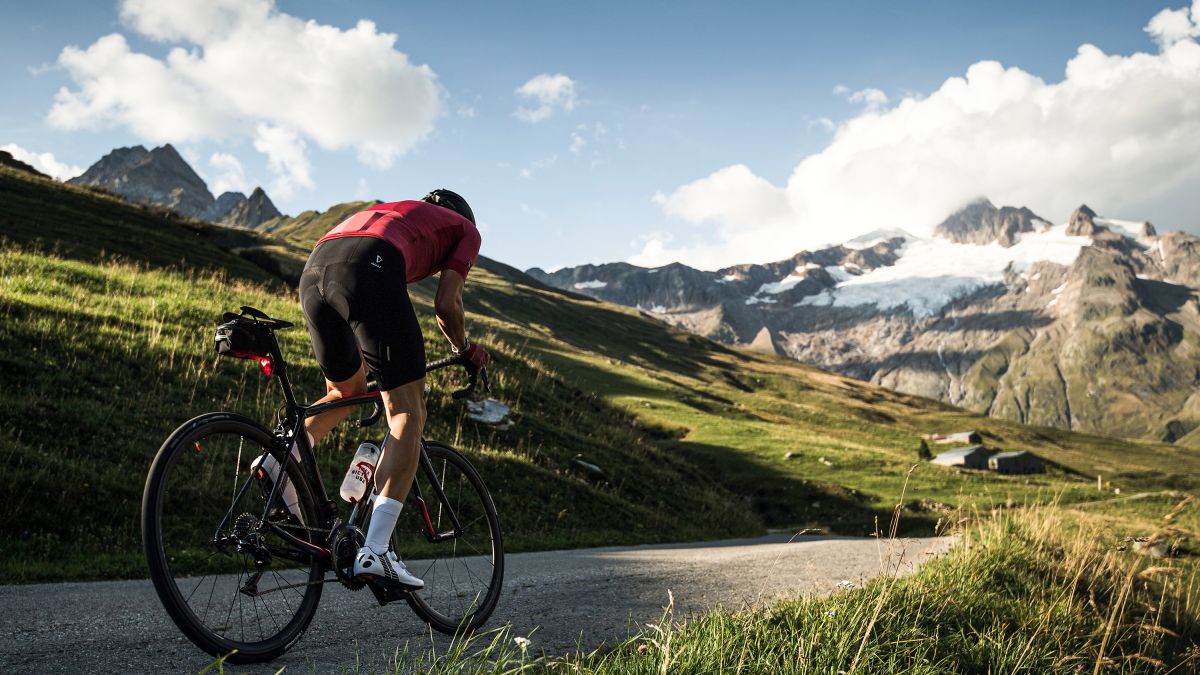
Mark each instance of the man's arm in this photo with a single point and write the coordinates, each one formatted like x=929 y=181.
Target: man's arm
x=448 y=306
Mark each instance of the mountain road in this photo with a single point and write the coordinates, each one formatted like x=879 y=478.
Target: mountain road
x=561 y=599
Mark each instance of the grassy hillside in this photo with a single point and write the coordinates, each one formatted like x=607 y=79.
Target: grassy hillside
x=106 y=346
x=305 y=229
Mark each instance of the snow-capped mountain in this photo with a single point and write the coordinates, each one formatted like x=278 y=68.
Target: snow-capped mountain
x=1092 y=324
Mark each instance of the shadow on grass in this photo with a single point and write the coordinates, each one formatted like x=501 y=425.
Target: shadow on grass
x=785 y=501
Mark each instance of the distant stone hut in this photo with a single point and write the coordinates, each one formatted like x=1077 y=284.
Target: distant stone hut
x=962 y=438
x=970 y=457
x=1015 y=463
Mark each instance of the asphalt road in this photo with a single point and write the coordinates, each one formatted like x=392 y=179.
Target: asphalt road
x=586 y=597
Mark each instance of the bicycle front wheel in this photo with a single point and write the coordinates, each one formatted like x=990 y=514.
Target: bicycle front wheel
x=233 y=584
x=463 y=574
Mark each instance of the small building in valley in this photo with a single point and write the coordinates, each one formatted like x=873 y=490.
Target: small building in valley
x=1015 y=463
x=970 y=457
x=961 y=438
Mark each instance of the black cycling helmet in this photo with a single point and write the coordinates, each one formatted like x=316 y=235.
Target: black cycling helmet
x=450 y=200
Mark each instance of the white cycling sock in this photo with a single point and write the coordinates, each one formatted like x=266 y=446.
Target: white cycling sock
x=383 y=521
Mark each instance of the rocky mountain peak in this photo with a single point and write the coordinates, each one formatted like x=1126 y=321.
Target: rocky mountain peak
x=1148 y=230
x=162 y=176
x=251 y=211
x=980 y=222
x=159 y=176
x=1083 y=222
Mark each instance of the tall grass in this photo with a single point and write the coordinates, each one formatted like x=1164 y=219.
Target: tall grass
x=1028 y=590
x=1035 y=590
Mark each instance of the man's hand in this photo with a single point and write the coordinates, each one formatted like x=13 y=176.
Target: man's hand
x=476 y=356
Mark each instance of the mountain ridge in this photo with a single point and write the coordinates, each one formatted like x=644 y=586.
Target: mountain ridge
x=999 y=311
x=163 y=177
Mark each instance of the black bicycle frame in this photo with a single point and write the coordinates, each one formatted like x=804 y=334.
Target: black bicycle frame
x=293 y=426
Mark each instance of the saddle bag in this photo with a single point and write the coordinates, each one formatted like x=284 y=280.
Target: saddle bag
x=242 y=338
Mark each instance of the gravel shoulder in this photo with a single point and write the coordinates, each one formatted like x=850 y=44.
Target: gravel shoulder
x=563 y=599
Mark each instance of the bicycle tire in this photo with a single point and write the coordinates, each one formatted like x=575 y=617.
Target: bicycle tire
x=180 y=443
x=473 y=507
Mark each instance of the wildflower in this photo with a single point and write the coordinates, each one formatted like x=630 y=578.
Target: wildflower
x=523 y=643
x=845 y=585
x=642 y=648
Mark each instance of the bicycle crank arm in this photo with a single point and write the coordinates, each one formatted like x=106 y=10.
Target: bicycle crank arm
x=251 y=587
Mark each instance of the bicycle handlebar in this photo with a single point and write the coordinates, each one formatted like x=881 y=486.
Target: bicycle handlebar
x=473 y=379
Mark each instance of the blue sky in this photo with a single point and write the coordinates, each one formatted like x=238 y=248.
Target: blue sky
x=665 y=94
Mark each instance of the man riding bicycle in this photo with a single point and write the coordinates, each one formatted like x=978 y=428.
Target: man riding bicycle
x=354 y=295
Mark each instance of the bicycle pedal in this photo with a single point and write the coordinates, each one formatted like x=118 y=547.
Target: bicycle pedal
x=385 y=594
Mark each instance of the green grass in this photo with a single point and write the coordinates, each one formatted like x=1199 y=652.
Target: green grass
x=106 y=347
x=1025 y=591
x=1040 y=590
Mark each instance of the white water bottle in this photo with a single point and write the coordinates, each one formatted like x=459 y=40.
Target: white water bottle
x=360 y=473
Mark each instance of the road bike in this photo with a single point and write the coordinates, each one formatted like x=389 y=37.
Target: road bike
x=241 y=575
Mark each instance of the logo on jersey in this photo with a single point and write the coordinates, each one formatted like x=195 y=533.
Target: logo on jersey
x=378 y=260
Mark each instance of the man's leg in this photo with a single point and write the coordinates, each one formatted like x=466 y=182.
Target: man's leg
x=320 y=425
x=405 y=407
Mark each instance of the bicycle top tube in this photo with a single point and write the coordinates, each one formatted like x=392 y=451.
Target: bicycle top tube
x=375 y=396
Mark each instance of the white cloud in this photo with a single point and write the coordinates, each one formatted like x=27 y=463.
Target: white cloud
x=286 y=158
x=873 y=99
x=230 y=176
x=822 y=123
x=550 y=93
x=578 y=142
x=241 y=65
x=43 y=161
x=1121 y=133
x=1173 y=25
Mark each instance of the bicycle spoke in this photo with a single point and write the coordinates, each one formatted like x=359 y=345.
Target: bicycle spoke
x=212 y=537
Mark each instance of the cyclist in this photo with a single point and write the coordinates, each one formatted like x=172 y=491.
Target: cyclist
x=354 y=295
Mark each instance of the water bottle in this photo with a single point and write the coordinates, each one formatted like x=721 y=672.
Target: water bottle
x=360 y=473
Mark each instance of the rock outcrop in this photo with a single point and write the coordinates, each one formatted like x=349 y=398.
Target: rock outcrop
x=982 y=223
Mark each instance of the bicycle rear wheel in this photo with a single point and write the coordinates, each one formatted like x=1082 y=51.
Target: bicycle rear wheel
x=463 y=575
x=232 y=584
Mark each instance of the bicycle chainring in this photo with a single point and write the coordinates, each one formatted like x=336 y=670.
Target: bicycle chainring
x=346 y=542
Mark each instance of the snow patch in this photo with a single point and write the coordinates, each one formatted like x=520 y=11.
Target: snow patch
x=932 y=272
x=1129 y=228
x=876 y=237
x=755 y=300
x=591 y=284
x=838 y=273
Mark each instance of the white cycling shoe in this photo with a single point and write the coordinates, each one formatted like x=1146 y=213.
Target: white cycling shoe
x=386 y=568
x=266 y=469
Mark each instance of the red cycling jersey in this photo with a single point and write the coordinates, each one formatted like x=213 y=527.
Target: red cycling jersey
x=431 y=238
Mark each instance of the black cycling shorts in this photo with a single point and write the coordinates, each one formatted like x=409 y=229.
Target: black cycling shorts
x=355 y=299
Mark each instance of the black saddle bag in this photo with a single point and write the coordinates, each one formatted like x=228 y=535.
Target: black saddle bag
x=243 y=338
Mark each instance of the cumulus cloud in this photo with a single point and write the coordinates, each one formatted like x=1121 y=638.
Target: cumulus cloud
x=241 y=66
x=1172 y=25
x=286 y=158
x=1119 y=132
x=230 y=176
x=43 y=161
x=550 y=93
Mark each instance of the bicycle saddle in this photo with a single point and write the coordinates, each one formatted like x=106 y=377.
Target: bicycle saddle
x=261 y=317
